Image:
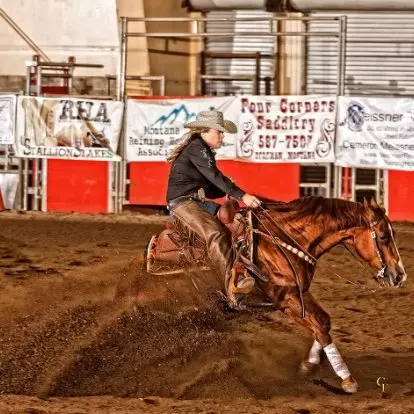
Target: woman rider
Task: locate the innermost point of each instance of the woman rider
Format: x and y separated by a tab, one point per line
195	176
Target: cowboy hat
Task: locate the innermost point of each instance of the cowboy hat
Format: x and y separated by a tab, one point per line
213	120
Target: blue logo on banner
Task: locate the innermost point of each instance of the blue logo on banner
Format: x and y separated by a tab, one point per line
173	115
355	116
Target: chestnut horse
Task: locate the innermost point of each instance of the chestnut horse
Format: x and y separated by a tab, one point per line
290	238
316	225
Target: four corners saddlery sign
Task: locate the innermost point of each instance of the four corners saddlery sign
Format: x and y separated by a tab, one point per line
270	128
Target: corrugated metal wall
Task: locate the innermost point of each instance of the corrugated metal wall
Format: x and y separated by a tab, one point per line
241	67
379	55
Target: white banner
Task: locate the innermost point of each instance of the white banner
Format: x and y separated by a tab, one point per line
68	128
155	128
8	190
7	109
297	129
375	133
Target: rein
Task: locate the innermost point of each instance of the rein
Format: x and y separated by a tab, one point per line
374	236
381	273
351	282
295	248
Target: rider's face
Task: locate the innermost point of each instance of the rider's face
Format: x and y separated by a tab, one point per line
213	138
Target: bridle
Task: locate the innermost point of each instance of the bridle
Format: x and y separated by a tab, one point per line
381	273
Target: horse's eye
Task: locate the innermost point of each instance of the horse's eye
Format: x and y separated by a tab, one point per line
385	237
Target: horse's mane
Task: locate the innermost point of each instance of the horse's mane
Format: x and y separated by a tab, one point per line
345	213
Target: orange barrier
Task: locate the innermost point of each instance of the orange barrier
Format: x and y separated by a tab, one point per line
80	186
401	195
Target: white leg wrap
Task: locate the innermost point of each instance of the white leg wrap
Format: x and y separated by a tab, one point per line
315	353
336	361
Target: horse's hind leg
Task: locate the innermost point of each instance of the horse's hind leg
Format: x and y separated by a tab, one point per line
318	323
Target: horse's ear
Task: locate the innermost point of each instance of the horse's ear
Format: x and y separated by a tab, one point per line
373	203
366	204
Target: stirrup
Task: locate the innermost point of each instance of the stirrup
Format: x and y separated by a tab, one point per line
243	286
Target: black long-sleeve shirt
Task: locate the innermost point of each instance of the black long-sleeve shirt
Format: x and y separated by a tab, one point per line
194	168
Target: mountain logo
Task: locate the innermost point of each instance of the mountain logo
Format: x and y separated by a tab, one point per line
174	114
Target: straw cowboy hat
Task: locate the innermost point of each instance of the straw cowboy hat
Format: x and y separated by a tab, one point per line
213	120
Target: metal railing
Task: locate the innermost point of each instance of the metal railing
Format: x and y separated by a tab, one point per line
198	32
23	35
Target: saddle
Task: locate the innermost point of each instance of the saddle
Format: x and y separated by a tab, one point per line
176	249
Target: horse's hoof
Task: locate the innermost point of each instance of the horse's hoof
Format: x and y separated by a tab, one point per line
307	368
349	385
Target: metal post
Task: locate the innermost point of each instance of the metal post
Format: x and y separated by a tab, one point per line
108	85
69	85
35	177
203	72
38	80
111	183
328	180
122	65
353	183
268	85
258	72
114	190
162	85
386	190
338	181
123	182
378	184
342	55
28	79
43	187
25	183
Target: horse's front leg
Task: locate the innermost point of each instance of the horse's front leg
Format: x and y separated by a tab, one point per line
318	323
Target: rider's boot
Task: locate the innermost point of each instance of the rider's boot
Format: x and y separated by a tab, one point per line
237	282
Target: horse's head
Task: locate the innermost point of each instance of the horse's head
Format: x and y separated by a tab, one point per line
376	245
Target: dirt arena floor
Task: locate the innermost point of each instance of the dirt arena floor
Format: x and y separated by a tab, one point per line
66	346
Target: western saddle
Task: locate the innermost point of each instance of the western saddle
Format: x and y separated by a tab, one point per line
176	249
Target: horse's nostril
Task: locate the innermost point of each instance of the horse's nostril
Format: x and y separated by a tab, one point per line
399	278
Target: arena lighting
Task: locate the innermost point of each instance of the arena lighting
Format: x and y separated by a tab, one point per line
299	5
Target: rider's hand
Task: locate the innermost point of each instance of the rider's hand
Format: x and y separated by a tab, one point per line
251	201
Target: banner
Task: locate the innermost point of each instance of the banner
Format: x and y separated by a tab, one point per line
8	190
7	108
298	129
375	133
67	128
155	128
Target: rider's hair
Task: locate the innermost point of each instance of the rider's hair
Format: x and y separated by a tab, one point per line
186	139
